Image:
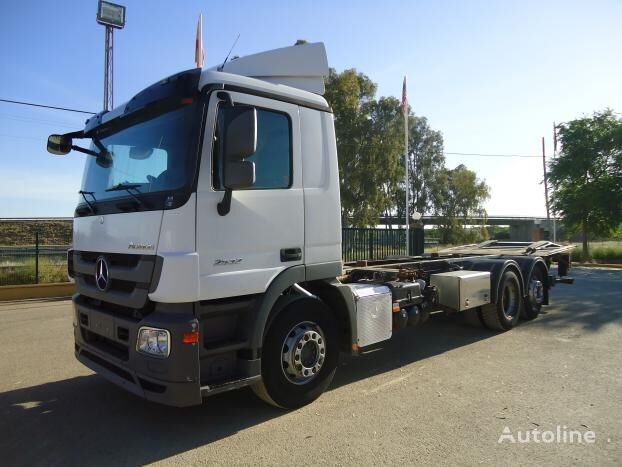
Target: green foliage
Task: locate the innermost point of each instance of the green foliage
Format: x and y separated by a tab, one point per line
601	254
587	177
370	144
367	132
463	196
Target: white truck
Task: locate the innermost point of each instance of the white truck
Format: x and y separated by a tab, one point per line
207	243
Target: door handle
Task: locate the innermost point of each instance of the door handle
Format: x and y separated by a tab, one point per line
291	254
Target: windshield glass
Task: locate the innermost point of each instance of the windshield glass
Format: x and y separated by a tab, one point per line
152	156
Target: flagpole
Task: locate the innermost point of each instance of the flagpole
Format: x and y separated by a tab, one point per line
407	185
554	157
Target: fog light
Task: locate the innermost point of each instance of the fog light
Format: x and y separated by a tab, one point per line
154	341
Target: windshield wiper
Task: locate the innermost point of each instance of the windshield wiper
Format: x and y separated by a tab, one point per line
129	187
91	206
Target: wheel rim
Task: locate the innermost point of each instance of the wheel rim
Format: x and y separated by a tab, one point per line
509	301
303	353
536	292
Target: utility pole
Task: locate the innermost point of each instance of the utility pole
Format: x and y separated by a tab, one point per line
111	16
546	185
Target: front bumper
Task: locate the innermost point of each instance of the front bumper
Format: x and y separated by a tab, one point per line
105	342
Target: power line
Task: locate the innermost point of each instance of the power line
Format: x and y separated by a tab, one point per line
486	155
46	106
366	145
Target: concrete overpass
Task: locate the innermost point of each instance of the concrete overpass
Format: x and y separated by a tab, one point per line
522	228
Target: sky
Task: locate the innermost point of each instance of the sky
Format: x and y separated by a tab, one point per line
492	76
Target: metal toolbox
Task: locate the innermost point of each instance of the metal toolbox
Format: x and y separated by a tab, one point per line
462	290
374	321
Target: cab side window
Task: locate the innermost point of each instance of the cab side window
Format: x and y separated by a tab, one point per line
273	158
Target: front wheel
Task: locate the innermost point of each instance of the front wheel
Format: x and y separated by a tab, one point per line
299	355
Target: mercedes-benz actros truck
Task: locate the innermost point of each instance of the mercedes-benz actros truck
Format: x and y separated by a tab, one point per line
207	243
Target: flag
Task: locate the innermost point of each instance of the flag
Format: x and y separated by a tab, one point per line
404	98
199	54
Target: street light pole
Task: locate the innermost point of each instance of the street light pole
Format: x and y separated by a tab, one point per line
108	69
111	16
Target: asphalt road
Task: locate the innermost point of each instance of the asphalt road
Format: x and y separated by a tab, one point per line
440	394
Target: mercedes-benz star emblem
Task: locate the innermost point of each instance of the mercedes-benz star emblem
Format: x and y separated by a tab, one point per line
101	274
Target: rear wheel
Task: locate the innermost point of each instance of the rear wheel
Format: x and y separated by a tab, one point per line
504	314
299	355
535	294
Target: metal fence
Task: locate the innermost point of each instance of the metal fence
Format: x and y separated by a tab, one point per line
373	244
37	262
42	258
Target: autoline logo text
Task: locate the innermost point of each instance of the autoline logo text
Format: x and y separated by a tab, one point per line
561	435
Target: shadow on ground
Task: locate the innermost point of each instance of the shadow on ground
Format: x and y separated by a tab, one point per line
86	420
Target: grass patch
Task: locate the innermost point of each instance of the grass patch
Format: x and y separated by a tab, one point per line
50	271
600	253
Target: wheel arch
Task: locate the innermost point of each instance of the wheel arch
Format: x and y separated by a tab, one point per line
330	292
269	299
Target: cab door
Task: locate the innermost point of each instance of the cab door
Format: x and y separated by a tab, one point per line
240	253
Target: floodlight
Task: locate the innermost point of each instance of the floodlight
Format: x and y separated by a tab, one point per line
111	14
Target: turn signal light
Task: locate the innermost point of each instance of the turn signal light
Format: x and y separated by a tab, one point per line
191	337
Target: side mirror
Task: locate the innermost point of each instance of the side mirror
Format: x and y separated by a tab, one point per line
240	142
59	145
239	174
240	133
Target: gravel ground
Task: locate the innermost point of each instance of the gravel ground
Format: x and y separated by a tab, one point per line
441	394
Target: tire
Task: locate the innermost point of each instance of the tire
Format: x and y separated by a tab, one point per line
473	317
504	315
535	294
299	356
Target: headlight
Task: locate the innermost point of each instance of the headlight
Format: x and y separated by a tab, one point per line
154	341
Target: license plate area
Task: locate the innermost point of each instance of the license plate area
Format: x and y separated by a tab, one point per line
102	324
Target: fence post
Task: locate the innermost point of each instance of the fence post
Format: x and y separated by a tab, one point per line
370	244
36	257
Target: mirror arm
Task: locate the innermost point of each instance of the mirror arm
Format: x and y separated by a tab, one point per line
225	96
99	145
225	205
85	151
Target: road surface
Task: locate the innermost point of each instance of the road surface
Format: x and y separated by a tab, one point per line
440	394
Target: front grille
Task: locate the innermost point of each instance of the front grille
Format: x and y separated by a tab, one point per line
130	277
105	345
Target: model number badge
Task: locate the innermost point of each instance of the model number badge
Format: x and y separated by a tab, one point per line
226	262
140	246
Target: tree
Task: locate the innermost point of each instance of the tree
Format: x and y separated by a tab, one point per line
367	132
370	144
587	177
463	199
426	164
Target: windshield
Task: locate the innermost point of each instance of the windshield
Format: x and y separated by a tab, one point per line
152	156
